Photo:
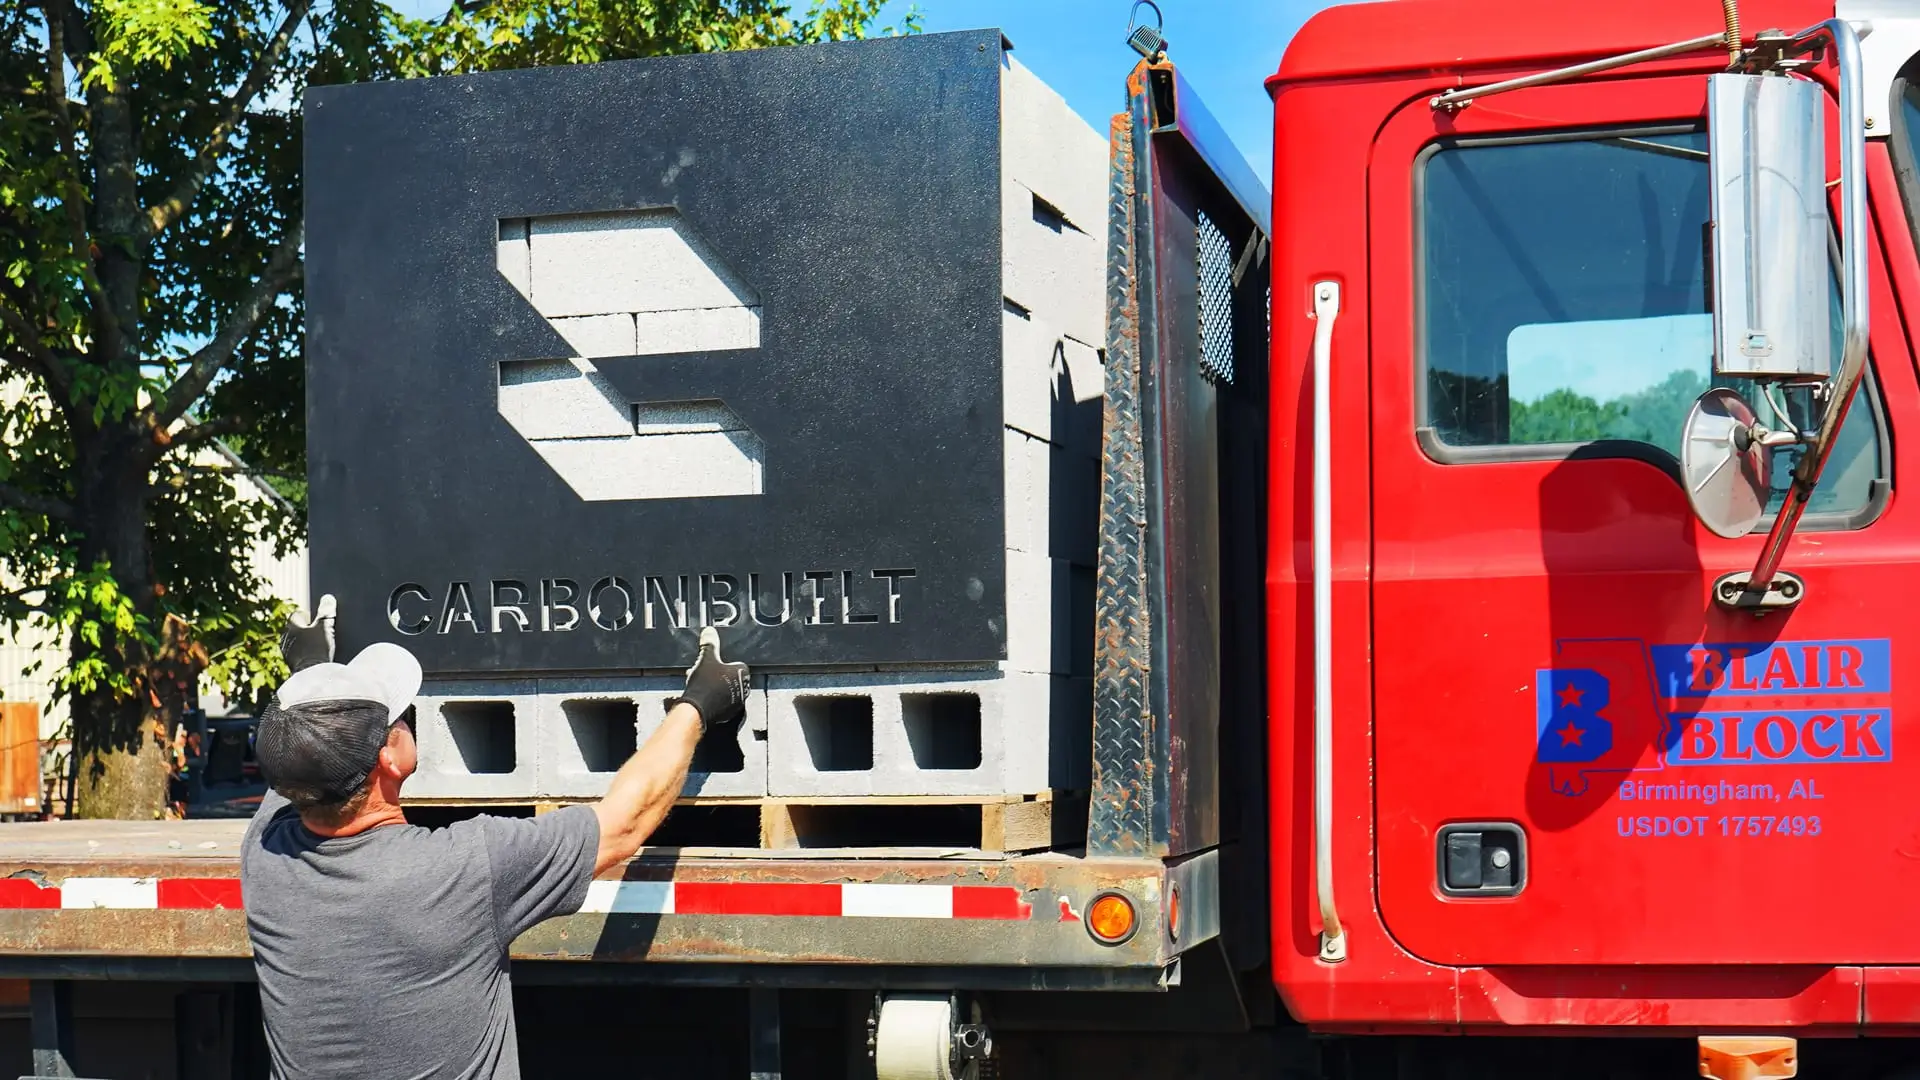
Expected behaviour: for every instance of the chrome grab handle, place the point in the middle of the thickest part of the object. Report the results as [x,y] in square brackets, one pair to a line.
[1326,309]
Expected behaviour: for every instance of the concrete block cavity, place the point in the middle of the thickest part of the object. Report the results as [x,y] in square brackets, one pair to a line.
[634,283]
[966,732]
[475,740]
[565,739]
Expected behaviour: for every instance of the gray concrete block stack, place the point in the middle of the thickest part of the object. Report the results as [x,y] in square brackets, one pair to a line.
[620,284]
[1023,726]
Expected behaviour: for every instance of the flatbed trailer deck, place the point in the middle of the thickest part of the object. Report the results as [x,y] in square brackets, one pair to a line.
[100,897]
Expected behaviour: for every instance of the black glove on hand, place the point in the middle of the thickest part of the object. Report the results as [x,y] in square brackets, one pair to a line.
[309,641]
[715,688]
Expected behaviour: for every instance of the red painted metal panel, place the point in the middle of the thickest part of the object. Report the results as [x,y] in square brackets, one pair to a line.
[1321,225]
[1892,997]
[1594,565]
[1798,998]
[1696,922]
[1473,35]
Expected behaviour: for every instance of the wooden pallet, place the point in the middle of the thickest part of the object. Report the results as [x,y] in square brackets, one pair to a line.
[1001,823]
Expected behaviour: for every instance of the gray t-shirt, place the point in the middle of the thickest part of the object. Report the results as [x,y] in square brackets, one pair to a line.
[385,954]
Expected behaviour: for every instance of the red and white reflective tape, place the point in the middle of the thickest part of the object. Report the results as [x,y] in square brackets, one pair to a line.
[603,897]
[781,898]
[165,894]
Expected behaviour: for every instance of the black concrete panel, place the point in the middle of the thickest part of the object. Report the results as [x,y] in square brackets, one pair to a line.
[854,187]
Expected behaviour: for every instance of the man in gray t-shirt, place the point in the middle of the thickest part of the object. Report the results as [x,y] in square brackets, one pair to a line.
[381,948]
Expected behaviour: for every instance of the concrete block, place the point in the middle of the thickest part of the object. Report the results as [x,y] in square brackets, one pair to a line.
[907,733]
[515,257]
[597,335]
[589,727]
[476,740]
[1052,500]
[633,261]
[1052,269]
[681,465]
[1047,148]
[1079,394]
[1030,354]
[698,330]
[1040,626]
[561,399]
[1029,478]
[683,417]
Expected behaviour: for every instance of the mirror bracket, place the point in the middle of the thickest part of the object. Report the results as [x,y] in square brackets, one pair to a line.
[1774,53]
[1736,591]
[1845,43]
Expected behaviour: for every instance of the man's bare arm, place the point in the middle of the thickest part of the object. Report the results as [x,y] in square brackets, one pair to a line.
[645,787]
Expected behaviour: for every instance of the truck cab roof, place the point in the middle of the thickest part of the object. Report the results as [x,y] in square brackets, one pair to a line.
[1418,36]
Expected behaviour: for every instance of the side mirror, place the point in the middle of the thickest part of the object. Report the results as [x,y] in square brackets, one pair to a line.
[1771,312]
[1771,320]
[1767,152]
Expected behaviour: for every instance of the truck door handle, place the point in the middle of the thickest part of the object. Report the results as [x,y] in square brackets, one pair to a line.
[1326,308]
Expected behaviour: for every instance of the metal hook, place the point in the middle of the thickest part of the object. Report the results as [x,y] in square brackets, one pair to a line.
[1147,40]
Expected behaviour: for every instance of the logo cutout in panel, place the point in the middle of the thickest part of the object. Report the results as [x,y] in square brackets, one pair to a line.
[635,283]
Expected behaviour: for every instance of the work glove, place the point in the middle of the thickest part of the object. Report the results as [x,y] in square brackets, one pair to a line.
[308,640]
[715,688]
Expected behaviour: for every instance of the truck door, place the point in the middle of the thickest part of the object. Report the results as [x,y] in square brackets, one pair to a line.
[1580,757]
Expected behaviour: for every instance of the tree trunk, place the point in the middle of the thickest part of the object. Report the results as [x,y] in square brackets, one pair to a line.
[119,739]
[120,755]
[120,736]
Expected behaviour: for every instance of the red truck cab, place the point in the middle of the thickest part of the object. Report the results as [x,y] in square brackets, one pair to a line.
[1570,788]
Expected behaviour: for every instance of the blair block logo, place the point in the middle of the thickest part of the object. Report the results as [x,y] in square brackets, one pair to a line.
[1611,706]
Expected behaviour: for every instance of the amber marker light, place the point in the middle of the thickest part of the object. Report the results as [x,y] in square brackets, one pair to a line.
[1110,918]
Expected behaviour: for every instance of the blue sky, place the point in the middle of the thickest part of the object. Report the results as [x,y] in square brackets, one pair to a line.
[1225,49]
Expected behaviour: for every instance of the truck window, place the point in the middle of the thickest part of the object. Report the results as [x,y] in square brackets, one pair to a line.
[1906,154]
[1564,304]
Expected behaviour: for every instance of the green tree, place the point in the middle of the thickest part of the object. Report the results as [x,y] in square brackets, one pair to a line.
[1655,415]
[150,309]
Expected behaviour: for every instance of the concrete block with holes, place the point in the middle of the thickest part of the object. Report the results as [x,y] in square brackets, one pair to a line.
[963,732]
[477,740]
[589,727]
[565,738]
